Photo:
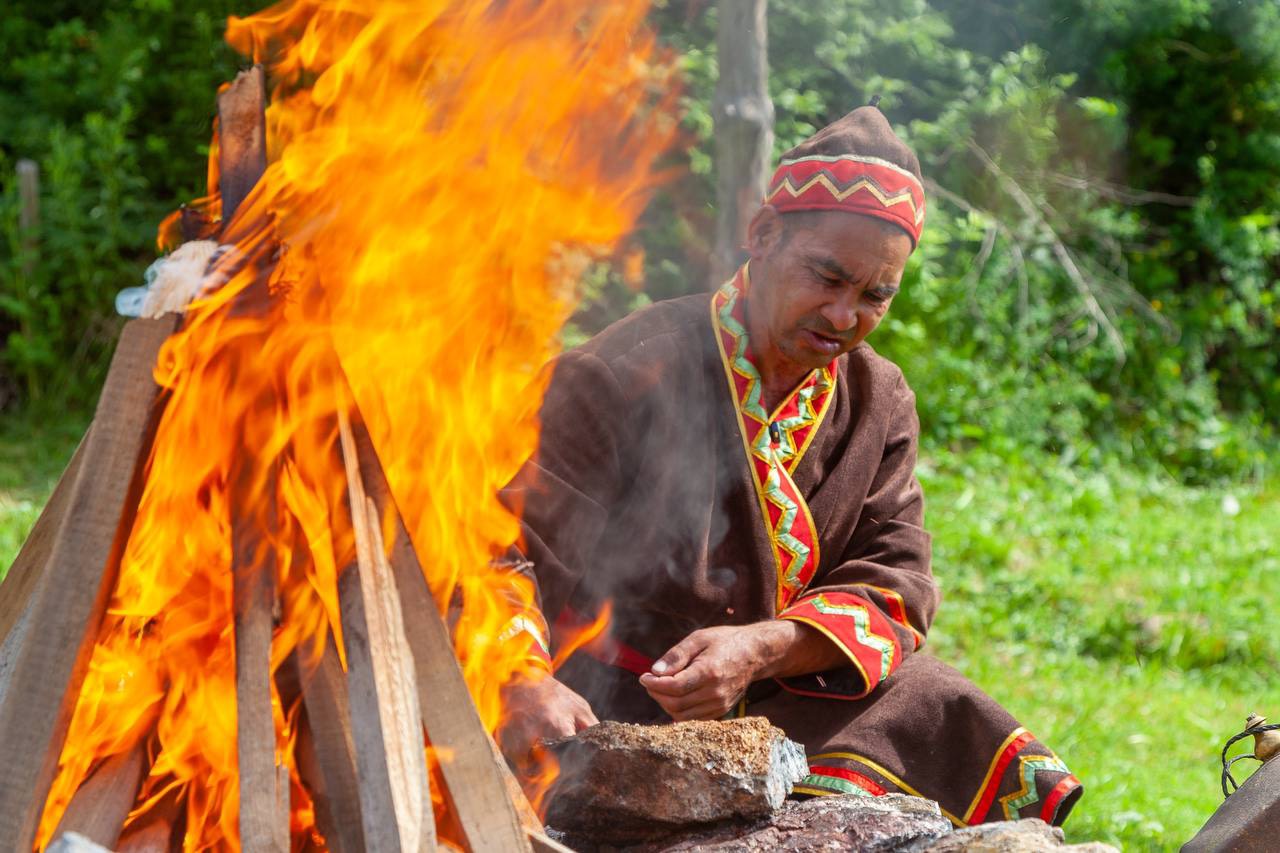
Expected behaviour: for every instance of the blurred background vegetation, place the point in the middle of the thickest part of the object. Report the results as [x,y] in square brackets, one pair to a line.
[1091,324]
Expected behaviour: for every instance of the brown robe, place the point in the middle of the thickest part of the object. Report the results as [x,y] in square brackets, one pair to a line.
[642,495]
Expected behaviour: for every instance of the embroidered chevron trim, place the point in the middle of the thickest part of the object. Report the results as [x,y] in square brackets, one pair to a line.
[863,183]
[1030,765]
[861,630]
[792,535]
[853,158]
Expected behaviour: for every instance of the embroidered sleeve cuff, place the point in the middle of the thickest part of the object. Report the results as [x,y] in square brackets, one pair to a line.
[860,631]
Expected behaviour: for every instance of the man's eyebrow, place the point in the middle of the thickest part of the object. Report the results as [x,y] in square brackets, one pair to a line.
[830,267]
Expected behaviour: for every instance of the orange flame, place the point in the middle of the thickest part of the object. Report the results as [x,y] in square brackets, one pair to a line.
[440,172]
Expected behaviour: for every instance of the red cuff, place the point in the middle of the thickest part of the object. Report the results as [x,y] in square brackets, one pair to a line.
[858,629]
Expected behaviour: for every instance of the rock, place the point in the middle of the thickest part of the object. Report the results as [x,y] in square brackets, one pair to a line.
[74,842]
[1029,835]
[624,782]
[844,822]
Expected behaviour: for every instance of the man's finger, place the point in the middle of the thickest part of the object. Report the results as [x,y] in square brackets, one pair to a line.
[681,684]
[679,655]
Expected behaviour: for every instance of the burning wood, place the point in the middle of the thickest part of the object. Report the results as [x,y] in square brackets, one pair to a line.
[237,584]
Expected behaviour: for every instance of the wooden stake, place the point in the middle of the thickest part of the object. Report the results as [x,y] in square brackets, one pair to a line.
[326,754]
[263,826]
[242,138]
[69,600]
[99,808]
[473,774]
[15,590]
[390,749]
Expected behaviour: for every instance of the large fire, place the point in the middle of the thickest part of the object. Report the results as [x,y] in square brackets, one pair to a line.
[440,171]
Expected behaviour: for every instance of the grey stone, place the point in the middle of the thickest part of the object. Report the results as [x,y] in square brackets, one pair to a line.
[627,782]
[74,842]
[844,822]
[1029,835]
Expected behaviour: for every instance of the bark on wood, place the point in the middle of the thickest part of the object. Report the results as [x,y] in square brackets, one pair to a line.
[263,827]
[99,808]
[242,138]
[68,602]
[474,775]
[326,754]
[28,567]
[743,116]
[387,721]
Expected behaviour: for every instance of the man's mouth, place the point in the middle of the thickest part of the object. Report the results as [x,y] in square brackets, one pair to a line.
[829,344]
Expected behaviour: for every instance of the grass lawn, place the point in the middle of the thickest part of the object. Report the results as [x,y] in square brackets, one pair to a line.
[1126,620]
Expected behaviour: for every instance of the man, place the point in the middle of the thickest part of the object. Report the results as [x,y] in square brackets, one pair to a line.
[733,475]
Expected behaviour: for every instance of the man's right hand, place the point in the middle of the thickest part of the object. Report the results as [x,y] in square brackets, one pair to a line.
[540,708]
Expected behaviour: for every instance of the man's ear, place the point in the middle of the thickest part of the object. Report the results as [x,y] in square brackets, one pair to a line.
[764,233]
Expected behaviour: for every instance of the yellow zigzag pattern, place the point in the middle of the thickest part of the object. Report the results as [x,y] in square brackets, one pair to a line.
[863,183]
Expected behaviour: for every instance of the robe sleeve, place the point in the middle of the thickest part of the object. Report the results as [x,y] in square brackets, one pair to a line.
[562,494]
[877,601]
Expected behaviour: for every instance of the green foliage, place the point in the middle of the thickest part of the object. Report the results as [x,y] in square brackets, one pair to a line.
[115,103]
[1098,276]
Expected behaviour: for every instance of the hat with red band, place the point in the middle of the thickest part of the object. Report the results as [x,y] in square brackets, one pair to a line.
[857,165]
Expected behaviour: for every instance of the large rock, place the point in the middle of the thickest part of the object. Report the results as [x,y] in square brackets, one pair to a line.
[1029,835]
[623,782]
[845,822]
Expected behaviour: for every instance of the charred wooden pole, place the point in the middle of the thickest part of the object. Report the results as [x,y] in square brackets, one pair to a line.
[474,775]
[71,590]
[242,138]
[395,793]
[743,114]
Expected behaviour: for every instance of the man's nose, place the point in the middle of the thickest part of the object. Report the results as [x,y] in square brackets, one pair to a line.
[841,313]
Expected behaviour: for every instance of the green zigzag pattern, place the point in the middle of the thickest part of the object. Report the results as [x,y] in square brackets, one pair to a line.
[1030,768]
[862,630]
[762,447]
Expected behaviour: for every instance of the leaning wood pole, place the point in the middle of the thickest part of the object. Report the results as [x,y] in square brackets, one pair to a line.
[743,115]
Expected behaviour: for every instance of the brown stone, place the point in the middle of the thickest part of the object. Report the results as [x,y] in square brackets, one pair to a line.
[624,782]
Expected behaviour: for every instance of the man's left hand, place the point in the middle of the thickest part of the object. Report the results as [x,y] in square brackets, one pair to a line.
[707,672]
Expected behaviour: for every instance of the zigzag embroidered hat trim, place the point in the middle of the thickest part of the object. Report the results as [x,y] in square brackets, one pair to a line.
[856,164]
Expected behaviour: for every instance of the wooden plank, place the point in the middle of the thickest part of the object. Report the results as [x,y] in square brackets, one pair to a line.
[263,826]
[326,753]
[242,138]
[543,844]
[27,567]
[385,713]
[67,605]
[154,832]
[99,808]
[474,774]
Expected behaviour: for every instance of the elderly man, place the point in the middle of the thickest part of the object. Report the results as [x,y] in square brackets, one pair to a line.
[733,475]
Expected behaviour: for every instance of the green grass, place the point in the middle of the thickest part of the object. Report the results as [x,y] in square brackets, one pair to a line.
[34,448]
[1128,621]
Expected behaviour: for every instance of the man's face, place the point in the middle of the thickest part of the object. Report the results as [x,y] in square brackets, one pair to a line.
[820,283]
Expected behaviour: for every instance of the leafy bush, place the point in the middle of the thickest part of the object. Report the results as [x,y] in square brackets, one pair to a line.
[115,105]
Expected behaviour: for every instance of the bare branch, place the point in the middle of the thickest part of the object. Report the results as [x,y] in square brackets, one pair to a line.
[1119,192]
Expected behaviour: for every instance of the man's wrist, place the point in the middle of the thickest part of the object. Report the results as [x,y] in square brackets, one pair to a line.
[774,642]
